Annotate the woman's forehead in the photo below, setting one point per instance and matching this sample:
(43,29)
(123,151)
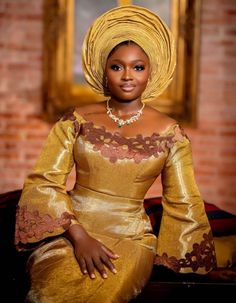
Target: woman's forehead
(132,49)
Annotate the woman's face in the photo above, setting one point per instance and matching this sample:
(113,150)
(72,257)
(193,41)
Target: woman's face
(127,72)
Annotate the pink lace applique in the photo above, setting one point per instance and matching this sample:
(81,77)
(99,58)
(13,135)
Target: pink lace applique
(70,116)
(202,255)
(179,133)
(117,147)
(33,224)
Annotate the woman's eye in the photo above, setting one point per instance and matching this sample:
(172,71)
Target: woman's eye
(139,67)
(115,67)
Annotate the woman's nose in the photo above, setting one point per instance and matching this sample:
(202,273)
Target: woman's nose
(127,74)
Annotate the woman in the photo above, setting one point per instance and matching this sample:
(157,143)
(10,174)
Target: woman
(95,243)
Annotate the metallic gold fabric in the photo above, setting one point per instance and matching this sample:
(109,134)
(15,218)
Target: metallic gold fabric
(113,174)
(139,25)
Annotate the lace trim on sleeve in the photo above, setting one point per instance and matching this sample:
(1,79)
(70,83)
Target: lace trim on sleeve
(202,255)
(34,224)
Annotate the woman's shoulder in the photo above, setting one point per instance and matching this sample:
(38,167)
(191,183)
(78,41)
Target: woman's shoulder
(166,126)
(90,108)
(82,112)
(160,122)
(76,116)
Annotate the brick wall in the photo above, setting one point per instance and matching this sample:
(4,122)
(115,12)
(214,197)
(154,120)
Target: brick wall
(214,141)
(23,131)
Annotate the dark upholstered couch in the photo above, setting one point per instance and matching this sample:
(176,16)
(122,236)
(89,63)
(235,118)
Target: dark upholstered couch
(164,285)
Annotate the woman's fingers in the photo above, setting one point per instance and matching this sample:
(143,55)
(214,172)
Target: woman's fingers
(100,267)
(94,255)
(90,267)
(86,266)
(109,264)
(99,263)
(109,252)
(106,258)
(82,265)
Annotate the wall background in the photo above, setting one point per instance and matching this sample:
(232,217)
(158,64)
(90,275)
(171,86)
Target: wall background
(23,131)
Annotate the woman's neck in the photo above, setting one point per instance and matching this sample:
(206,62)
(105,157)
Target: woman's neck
(122,108)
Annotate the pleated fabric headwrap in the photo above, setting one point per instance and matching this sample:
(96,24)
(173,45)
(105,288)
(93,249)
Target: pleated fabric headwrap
(140,25)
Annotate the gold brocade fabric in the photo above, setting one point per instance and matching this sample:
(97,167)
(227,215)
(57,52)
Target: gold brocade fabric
(113,174)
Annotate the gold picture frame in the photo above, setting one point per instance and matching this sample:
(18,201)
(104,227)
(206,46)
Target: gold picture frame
(61,92)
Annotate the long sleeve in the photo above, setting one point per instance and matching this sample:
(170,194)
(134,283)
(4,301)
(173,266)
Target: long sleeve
(185,242)
(45,208)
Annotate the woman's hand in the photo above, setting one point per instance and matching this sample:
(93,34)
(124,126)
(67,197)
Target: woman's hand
(90,253)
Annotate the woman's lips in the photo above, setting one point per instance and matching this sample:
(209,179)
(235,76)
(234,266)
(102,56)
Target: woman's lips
(127,87)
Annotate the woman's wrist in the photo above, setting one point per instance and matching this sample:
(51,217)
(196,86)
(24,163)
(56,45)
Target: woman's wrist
(75,232)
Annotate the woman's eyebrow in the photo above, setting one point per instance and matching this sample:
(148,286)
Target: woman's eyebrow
(133,61)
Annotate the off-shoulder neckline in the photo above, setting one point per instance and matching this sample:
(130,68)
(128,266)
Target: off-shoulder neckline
(169,130)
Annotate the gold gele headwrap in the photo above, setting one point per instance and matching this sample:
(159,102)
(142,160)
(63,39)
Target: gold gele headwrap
(145,28)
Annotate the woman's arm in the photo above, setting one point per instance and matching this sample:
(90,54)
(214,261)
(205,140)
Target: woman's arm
(185,242)
(45,208)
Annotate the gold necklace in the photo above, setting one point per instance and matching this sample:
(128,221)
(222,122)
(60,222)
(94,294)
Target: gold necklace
(122,122)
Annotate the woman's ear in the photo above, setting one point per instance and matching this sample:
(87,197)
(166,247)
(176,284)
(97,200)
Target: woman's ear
(106,82)
(105,86)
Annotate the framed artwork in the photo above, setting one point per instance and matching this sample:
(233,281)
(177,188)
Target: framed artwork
(65,25)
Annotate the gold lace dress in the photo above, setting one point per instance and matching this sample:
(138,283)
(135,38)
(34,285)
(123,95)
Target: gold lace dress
(113,174)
